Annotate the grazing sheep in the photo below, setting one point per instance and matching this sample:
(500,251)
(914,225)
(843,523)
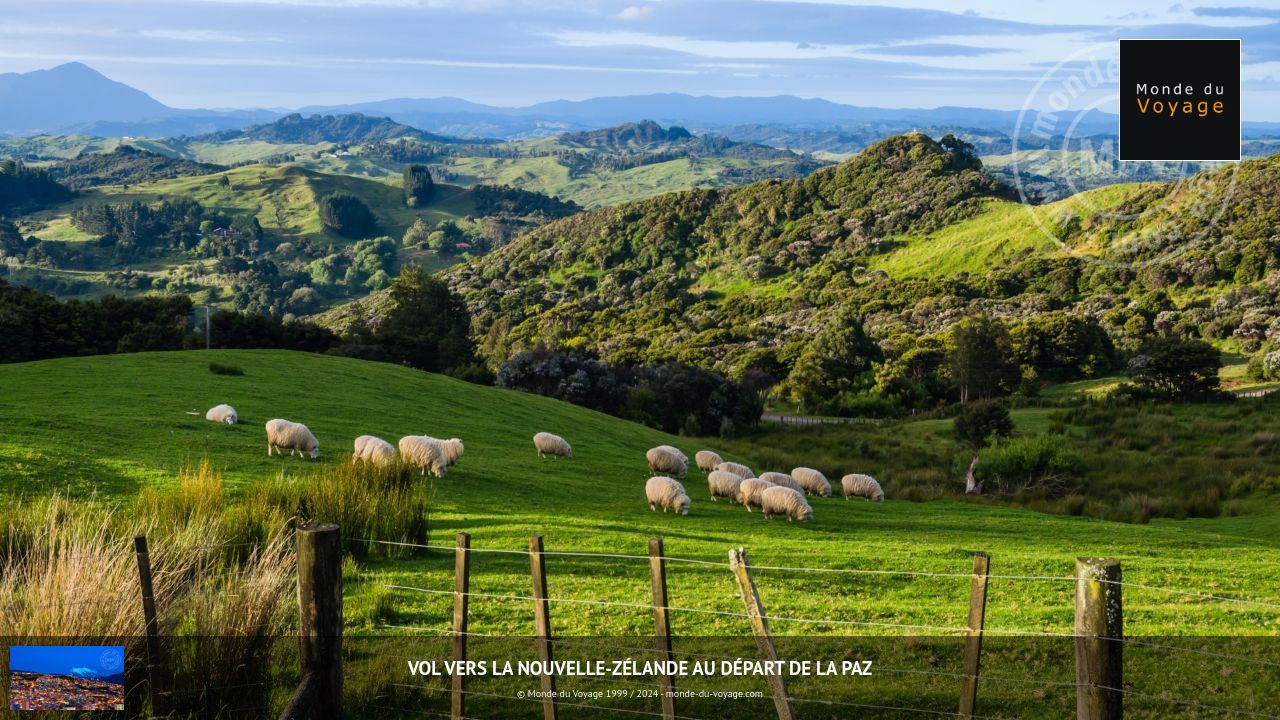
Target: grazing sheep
(452,450)
(723,484)
(749,492)
(295,437)
(222,414)
(424,453)
(373,450)
(668,494)
(677,451)
(783,479)
(863,486)
(662,459)
(552,445)
(738,469)
(707,460)
(785,501)
(813,482)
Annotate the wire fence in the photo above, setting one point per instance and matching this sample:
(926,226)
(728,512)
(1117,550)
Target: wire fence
(825,625)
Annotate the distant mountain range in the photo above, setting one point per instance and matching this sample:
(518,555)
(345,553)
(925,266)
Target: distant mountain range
(76,99)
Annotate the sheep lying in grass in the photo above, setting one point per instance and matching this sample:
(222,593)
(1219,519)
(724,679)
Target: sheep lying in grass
(783,479)
(666,493)
(424,453)
(295,437)
(723,485)
(863,486)
(749,491)
(707,460)
(222,414)
(552,445)
(738,469)
(373,450)
(452,450)
(785,501)
(813,482)
(666,459)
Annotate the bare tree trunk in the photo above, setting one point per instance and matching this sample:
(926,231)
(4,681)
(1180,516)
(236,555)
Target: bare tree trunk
(971,484)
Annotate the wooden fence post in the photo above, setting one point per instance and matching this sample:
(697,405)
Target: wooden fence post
(542,627)
(1099,640)
(760,627)
(461,588)
(320,616)
(973,634)
(155,664)
(662,625)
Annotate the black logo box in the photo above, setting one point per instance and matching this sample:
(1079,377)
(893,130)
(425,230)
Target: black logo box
(1180,65)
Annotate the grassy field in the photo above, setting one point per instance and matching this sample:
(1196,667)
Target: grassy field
(1003,229)
(110,431)
(105,427)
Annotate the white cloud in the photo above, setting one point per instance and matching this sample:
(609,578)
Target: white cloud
(635,12)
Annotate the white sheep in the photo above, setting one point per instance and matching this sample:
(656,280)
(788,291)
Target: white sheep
(813,482)
(677,451)
(373,450)
(738,469)
(785,501)
(666,459)
(723,484)
(424,453)
(749,491)
(222,414)
(295,437)
(552,445)
(666,493)
(863,486)
(452,450)
(707,460)
(783,479)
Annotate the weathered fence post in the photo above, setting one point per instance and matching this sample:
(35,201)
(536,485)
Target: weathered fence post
(760,627)
(1099,640)
(973,634)
(320,616)
(542,627)
(155,665)
(662,625)
(461,588)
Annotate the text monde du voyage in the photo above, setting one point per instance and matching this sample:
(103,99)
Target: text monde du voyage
(1180,99)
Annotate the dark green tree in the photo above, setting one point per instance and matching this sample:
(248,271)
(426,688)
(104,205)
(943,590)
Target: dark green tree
(347,215)
(418,186)
(838,355)
(1174,368)
(427,326)
(980,359)
(974,427)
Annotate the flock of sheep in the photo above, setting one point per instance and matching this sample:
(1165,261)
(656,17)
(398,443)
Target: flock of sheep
(426,453)
(775,493)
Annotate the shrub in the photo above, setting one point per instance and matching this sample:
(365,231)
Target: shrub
(1034,463)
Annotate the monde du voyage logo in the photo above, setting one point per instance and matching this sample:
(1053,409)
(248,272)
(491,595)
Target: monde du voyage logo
(1179,100)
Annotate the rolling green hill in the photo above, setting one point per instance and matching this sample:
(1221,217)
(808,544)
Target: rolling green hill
(106,426)
(910,237)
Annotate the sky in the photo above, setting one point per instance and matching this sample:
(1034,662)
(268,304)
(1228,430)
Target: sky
(903,53)
(82,661)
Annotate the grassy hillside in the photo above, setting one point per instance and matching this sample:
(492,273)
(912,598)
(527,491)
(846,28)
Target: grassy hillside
(106,426)
(1000,232)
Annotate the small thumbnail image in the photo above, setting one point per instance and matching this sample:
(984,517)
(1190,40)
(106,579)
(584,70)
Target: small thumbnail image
(66,677)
